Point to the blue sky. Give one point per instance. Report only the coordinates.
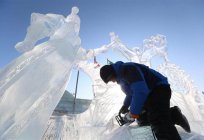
(181, 21)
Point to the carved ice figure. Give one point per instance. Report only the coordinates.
(49, 25)
(118, 46)
(73, 17)
(32, 85)
(156, 45)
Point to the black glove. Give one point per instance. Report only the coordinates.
(123, 110)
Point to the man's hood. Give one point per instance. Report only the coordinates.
(116, 67)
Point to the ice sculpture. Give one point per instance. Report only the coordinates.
(32, 85)
(156, 45)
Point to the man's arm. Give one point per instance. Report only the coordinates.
(127, 101)
(138, 87)
(140, 94)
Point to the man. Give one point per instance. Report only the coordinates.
(148, 96)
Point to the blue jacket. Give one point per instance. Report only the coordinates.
(137, 81)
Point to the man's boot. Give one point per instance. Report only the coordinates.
(179, 119)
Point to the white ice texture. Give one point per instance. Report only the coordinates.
(32, 85)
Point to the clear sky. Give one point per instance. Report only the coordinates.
(181, 21)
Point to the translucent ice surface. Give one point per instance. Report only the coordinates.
(32, 85)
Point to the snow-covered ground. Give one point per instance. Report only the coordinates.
(32, 85)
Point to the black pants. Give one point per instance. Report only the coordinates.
(158, 114)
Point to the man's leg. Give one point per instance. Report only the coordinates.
(176, 115)
(159, 115)
(179, 119)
